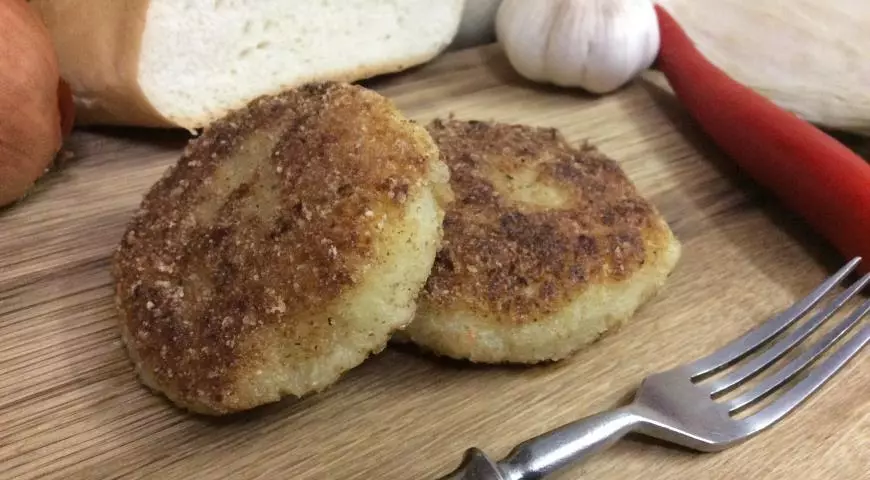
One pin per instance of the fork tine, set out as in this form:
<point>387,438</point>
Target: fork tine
<point>746,344</point>
<point>798,364</point>
<point>806,387</point>
<point>780,348</point>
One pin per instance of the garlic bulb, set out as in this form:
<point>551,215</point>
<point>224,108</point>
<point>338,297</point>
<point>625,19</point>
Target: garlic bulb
<point>597,45</point>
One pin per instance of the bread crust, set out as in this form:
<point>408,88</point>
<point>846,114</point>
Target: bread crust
<point>235,278</point>
<point>99,42</point>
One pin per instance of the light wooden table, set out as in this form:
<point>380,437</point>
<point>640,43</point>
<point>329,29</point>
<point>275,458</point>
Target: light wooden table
<point>70,406</point>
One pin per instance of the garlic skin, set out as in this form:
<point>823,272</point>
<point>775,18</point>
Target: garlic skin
<point>597,45</point>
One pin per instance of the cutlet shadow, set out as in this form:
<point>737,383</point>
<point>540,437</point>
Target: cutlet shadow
<point>408,348</point>
<point>286,407</point>
<point>173,138</point>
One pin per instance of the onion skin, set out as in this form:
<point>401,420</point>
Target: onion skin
<point>67,108</point>
<point>32,99</point>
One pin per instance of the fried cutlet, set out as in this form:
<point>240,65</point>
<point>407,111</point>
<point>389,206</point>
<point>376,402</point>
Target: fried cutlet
<point>285,246</point>
<point>546,247</point>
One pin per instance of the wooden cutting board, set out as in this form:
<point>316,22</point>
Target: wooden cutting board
<point>70,406</point>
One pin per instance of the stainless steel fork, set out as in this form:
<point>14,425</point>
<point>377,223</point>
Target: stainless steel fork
<point>676,406</point>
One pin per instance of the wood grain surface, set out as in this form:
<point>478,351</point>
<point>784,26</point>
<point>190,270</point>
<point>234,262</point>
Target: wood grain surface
<point>70,406</point>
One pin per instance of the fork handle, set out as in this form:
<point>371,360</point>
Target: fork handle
<point>547,453</point>
<point>572,443</point>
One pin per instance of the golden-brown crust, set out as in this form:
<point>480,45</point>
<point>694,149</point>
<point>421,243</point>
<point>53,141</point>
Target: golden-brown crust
<point>534,223</point>
<point>267,217</point>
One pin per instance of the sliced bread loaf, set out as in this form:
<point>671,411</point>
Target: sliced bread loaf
<point>187,62</point>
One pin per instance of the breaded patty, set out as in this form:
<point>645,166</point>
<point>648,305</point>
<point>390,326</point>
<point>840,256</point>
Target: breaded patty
<point>287,244</point>
<point>546,247</point>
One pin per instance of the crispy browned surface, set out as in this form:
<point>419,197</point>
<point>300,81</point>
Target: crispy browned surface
<point>267,217</point>
<point>514,260</point>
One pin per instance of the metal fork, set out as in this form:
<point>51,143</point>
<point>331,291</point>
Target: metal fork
<point>676,406</point>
